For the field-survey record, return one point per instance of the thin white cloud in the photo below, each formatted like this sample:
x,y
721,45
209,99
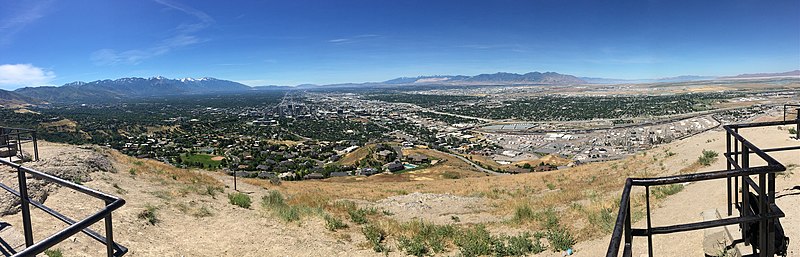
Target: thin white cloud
x,y
254,82
352,39
184,36
627,60
509,47
27,13
20,75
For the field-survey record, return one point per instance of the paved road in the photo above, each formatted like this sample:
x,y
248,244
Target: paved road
x,y
420,108
473,164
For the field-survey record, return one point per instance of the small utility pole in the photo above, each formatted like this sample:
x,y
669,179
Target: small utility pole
x,y
234,178
234,181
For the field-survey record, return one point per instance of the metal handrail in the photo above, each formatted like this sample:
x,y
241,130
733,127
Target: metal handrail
x,y
112,203
622,228
15,134
785,107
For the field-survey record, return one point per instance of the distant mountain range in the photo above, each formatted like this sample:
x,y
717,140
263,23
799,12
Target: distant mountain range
x,y
126,88
794,73
503,78
11,98
129,88
687,78
684,78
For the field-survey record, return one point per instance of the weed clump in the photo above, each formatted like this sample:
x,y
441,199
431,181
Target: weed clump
x,y
604,219
375,236
522,214
560,239
240,199
149,214
53,253
660,192
274,201
333,224
707,158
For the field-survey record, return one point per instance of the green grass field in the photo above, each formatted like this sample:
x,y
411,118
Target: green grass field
x,y
200,160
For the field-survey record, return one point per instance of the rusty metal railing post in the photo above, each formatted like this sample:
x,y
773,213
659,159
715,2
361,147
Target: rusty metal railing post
x,y
771,221
628,236
25,206
7,137
649,223
745,210
35,147
797,128
762,221
736,159
109,233
19,147
728,151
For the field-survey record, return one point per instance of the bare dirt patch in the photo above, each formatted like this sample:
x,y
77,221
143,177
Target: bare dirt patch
x,y
438,208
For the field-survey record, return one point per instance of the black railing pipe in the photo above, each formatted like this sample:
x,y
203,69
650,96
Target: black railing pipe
x,y
736,168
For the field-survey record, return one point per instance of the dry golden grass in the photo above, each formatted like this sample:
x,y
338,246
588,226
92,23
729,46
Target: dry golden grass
x,y
488,162
153,129
63,124
483,160
23,110
162,170
284,142
356,156
585,198
548,159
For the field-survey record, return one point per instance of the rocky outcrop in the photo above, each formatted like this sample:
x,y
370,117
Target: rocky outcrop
x,y
75,164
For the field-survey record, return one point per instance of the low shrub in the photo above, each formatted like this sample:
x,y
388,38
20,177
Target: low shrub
x,y
475,242
375,236
358,216
212,191
202,212
240,199
345,205
289,213
707,158
522,214
548,218
426,238
333,224
560,239
520,245
604,219
273,200
451,175
660,192
53,253
149,214
414,246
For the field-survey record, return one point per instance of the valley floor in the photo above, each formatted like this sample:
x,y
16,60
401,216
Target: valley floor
x,y
195,217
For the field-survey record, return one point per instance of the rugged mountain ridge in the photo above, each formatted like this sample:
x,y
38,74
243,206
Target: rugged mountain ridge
x,y
131,87
10,98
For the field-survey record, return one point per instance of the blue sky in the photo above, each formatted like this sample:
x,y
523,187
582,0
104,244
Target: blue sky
x,y
53,42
